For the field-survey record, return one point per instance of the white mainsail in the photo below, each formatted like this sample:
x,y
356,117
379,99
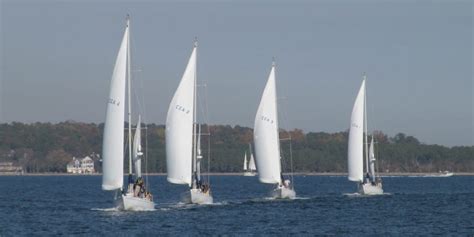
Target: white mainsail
x,y
372,158
355,149
245,161
137,149
252,166
179,127
266,137
112,146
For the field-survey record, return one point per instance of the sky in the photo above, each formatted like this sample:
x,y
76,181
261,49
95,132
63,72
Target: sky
x,y
57,59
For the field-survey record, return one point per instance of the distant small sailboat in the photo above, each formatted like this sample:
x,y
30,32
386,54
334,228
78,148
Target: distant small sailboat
x,y
183,137
267,142
371,184
440,174
446,173
136,197
249,167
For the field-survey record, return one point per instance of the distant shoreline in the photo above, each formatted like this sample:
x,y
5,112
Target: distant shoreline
x,y
241,173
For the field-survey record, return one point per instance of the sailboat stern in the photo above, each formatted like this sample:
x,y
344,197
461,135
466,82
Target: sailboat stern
x,y
128,202
283,192
370,188
197,196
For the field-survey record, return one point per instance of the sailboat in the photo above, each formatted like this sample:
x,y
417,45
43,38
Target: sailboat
x,y
249,167
370,184
267,142
135,197
183,137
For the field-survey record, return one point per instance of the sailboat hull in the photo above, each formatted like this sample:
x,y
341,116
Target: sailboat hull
x,y
128,202
282,192
370,189
196,196
250,174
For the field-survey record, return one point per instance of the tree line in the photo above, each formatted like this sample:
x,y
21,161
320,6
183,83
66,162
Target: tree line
x,y
47,147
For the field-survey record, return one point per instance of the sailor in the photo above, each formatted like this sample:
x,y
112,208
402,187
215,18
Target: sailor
x,y
149,196
137,187
205,188
142,191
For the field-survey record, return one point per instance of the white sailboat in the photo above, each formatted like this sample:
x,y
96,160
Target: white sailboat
x,y
136,197
249,167
183,151
267,142
370,184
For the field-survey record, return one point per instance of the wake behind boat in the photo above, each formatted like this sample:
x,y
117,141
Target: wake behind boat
x,y
370,184
267,142
183,137
136,196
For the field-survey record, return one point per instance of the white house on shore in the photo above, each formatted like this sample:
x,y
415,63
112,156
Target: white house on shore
x,y
9,168
81,166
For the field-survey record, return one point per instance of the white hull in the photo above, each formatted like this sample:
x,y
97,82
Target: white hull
x,y
250,174
196,196
444,174
370,189
128,202
282,192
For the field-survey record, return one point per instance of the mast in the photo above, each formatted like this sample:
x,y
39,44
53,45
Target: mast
x,y
365,127
194,157
129,101
276,119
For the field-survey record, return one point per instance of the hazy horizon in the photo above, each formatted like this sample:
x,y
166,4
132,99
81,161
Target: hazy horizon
x,y
57,60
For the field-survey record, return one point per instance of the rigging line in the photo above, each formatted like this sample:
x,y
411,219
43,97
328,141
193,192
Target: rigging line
x,y
146,157
208,137
285,120
203,106
125,148
372,112
376,161
291,164
140,100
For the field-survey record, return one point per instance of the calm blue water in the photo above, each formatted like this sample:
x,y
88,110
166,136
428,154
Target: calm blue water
x,y
75,205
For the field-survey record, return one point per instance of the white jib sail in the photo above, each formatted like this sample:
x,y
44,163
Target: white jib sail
x,y
179,127
372,158
355,150
266,137
252,166
245,161
137,149
199,154
112,146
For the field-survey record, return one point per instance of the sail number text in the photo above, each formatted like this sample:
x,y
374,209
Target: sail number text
x,y
267,119
182,109
114,102
355,125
